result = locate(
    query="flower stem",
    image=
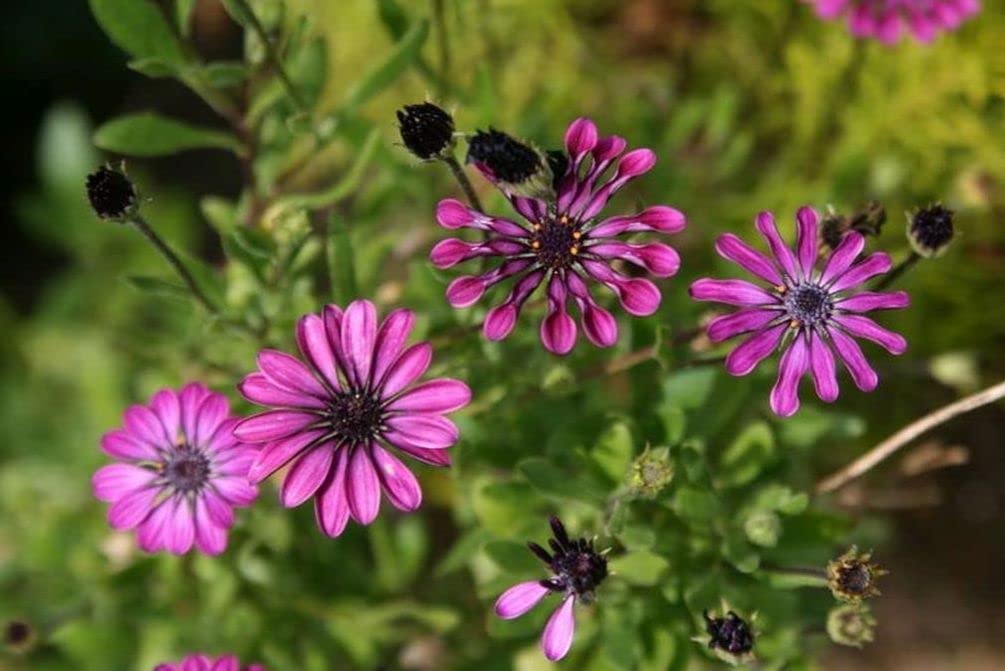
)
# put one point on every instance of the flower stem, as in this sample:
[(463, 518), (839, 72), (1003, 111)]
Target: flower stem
[(886, 448), (899, 270), (143, 227), (465, 183), (442, 39), (273, 56)]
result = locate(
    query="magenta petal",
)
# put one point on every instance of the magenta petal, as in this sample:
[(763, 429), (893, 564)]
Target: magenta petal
[(189, 399), (558, 333), (639, 297), (209, 538), (167, 407), (736, 250), (114, 481), (765, 223), (179, 528), (227, 663), (519, 599), (465, 291), (844, 255), (312, 337), (580, 137), (436, 396), (391, 338), (275, 455), (149, 532), (872, 300), (448, 253), (794, 364), (731, 292), (273, 425), (823, 369), (741, 321), (557, 637), (258, 389), (863, 327), (132, 508), (363, 486), (873, 265), (218, 509), (806, 239), (121, 444), (331, 506), (429, 431), (236, 490), (359, 336), (306, 475), (453, 214), (432, 457), (409, 367), (753, 350), (599, 325), (213, 410), (289, 373), (635, 163), (399, 482), (145, 426), (499, 321)]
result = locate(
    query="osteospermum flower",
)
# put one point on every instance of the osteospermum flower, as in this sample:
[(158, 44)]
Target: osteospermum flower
[(577, 569), (812, 311), (181, 472), (201, 662), (562, 244), (887, 20), (335, 419)]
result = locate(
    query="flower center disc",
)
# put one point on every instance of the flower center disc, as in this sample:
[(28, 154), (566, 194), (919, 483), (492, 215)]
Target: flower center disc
[(581, 571), (556, 242), (187, 470), (809, 304), (355, 416)]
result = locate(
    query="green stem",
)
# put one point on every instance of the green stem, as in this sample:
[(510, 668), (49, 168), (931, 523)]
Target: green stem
[(442, 39), (465, 183), (143, 227), (273, 56), (899, 270)]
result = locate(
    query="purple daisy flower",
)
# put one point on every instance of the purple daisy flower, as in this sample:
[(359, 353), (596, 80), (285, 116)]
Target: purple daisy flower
[(181, 472), (563, 245), (810, 309), (201, 662), (334, 418), (887, 20), (577, 569)]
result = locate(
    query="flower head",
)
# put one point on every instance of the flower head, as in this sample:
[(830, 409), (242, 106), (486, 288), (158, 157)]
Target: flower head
[(868, 221), (200, 662), (809, 310), (180, 474), (851, 624), (334, 418), (111, 194), (930, 230), (852, 576), (730, 633), (577, 570), (426, 129), (888, 20), (562, 245)]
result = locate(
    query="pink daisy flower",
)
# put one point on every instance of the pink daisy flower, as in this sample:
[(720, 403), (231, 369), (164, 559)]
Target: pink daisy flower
[(181, 472), (336, 418), (887, 20), (577, 570), (812, 312), (562, 245), (200, 662)]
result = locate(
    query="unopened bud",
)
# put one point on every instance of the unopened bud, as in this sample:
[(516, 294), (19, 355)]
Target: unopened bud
[(111, 194), (851, 624), (426, 129), (515, 166), (930, 230), (852, 577), (652, 471)]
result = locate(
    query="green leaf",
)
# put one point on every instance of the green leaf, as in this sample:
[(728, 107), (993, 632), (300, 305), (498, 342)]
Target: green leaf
[(341, 264), (639, 568), (549, 479), (150, 134), (747, 455), (183, 15), (739, 552), (225, 74), (763, 528), (779, 498), (154, 68), (696, 505), (159, 286), (393, 16), (384, 74), (220, 213), (613, 451), (341, 189), (690, 388), (461, 552), (513, 557), (140, 28), (239, 11)]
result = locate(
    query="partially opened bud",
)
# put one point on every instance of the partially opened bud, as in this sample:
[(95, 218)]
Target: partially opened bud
[(111, 194), (852, 577), (930, 230), (426, 129), (515, 166)]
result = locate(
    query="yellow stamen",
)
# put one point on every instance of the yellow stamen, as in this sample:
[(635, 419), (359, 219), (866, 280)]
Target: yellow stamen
[(576, 235), (536, 244), (794, 324)]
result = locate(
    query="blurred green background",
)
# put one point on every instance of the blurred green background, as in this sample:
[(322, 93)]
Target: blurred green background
[(750, 104)]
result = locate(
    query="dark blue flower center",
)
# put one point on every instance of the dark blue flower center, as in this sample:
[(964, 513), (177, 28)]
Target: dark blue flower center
[(556, 241), (355, 416), (808, 304), (187, 469)]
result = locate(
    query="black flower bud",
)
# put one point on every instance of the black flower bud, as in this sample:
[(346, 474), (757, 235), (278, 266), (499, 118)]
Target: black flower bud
[(730, 634), (930, 230), (558, 161), (111, 194), (852, 577), (515, 166), (426, 129), (18, 635), (868, 221)]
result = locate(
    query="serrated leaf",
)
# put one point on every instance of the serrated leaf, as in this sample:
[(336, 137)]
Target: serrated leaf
[(384, 74), (639, 568), (140, 28), (150, 134)]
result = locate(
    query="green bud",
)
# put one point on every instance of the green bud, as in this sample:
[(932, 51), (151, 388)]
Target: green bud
[(763, 528), (652, 471), (851, 624)]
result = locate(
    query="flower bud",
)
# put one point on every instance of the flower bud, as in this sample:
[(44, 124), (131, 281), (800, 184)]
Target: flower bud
[(111, 194), (852, 577), (930, 230), (18, 635), (426, 129), (730, 634), (652, 471), (868, 221), (851, 624), (515, 166)]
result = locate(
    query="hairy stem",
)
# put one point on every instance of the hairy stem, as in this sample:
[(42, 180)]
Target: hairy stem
[(886, 448), (465, 183)]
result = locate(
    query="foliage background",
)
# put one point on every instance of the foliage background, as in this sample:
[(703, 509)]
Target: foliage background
[(751, 104)]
